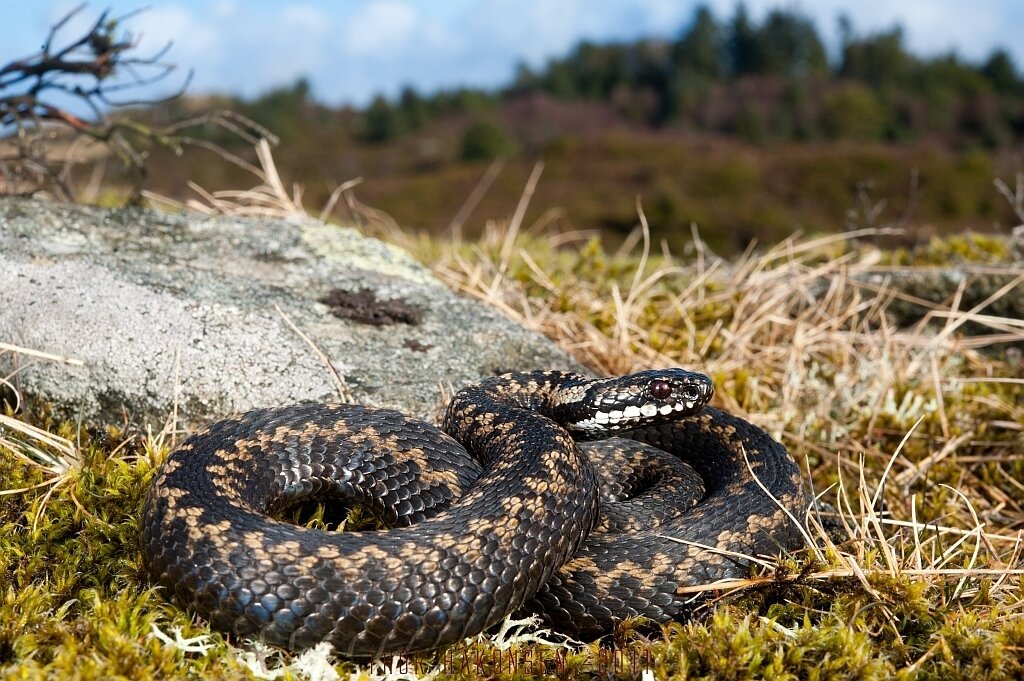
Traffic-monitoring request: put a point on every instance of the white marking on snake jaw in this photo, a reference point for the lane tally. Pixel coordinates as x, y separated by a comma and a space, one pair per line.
590, 426
604, 421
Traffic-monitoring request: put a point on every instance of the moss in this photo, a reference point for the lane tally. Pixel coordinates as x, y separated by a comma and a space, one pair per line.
733, 645
75, 603
968, 247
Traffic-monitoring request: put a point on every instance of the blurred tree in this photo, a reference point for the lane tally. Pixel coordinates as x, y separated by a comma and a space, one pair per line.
648, 65
382, 121
525, 79
412, 109
749, 124
741, 44
485, 141
787, 44
946, 85
472, 100
599, 69
1001, 73
559, 81
951, 72
879, 60
853, 112
776, 68
685, 97
793, 119
700, 50
284, 110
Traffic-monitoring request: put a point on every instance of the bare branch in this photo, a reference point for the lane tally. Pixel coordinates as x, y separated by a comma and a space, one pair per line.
89, 69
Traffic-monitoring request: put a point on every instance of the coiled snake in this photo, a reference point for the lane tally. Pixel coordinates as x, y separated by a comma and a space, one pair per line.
470, 541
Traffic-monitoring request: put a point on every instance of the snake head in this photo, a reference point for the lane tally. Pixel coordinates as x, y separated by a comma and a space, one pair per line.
608, 406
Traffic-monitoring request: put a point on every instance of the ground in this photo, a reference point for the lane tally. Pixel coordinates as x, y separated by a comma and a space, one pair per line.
914, 435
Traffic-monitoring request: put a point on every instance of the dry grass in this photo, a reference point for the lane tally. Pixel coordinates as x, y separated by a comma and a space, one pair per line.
915, 436
57, 456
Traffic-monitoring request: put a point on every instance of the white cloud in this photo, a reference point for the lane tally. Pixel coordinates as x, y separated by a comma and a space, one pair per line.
306, 18
380, 28
193, 38
224, 8
527, 31
664, 16
930, 28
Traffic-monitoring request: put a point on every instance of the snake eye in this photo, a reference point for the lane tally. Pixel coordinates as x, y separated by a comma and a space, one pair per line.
660, 389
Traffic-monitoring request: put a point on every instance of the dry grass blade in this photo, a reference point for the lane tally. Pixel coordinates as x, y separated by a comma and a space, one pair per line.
57, 456
745, 557
344, 392
52, 452
829, 575
7, 347
894, 558
782, 507
269, 198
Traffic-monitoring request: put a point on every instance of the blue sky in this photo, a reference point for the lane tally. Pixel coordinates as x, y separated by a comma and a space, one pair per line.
353, 49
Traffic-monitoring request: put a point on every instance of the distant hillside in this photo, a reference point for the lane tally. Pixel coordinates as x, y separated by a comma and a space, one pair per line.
759, 82
745, 129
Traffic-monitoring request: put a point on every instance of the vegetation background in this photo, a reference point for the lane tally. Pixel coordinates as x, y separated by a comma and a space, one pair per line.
745, 129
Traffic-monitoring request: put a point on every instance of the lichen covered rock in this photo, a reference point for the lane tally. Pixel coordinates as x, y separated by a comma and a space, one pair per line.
193, 311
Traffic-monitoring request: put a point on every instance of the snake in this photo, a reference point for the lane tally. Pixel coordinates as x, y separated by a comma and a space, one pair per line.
584, 501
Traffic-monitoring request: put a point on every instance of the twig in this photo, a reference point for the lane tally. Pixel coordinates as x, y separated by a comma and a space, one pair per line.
344, 392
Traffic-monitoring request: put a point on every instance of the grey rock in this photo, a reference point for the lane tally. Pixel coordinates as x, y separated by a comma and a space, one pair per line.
1017, 243
994, 288
190, 311
997, 289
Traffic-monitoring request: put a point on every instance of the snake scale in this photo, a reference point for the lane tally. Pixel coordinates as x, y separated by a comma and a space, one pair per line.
522, 522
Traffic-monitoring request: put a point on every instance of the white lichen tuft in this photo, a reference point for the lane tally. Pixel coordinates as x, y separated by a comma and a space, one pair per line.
199, 645
314, 664
514, 632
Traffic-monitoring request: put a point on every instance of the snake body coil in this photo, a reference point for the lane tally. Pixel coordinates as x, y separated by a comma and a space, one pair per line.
471, 540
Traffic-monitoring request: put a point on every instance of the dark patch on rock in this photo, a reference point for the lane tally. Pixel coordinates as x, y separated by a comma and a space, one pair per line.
364, 307
416, 346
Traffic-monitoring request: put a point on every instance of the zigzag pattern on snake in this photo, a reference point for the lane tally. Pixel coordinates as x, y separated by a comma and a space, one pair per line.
520, 522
